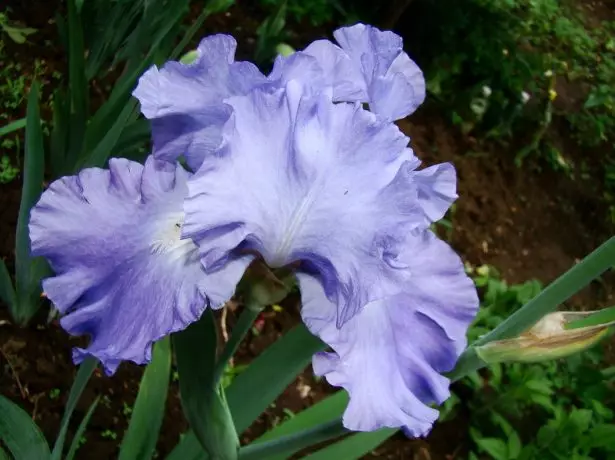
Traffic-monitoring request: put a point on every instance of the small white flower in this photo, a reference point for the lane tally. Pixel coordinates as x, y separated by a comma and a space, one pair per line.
549, 73
524, 97
486, 91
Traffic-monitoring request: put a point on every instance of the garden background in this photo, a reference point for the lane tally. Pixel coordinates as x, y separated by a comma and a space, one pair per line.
521, 98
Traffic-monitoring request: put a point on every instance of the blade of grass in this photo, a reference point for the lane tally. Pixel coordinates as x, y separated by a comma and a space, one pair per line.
80, 430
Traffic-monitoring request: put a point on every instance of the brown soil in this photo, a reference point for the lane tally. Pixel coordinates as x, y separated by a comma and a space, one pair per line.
529, 223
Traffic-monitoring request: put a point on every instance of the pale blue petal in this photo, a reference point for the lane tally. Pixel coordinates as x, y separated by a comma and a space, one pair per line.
300, 178
390, 356
123, 275
186, 101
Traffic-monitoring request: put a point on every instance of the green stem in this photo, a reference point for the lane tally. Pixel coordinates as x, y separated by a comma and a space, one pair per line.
246, 319
546, 301
288, 445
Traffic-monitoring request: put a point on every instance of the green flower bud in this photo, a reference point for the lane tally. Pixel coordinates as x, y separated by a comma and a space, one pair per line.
284, 49
189, 57
549, 338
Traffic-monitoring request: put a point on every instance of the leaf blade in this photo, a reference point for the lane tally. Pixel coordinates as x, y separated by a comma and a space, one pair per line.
13, 126
203, 403
80, 430
271, 372
7, 291
81, 380
142, 435
27, 286
353, 447
20, 434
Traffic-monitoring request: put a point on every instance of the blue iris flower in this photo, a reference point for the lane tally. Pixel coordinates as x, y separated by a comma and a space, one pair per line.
303, 167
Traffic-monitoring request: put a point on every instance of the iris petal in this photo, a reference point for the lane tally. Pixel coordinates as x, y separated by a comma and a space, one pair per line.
300, 178
186, 101
370, 66
123, 276
390, 356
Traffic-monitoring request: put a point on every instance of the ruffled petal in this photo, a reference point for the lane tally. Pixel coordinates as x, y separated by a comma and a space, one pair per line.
185, 101
437, 190
390, 356
123, 276
339, 71
371, 67
309, 180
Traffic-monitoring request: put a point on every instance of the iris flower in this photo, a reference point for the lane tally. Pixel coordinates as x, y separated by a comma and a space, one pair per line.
293, 170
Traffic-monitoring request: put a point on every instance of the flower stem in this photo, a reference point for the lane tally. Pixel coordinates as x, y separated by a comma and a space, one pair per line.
246, 319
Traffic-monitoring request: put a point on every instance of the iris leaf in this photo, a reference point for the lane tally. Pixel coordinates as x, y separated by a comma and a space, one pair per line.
142, 434
353, 447
270, 373
202, 399
7, 291
81, 380
560, 290
12, 127
20, 434
28, 273
80, 430
301, 430
78, 85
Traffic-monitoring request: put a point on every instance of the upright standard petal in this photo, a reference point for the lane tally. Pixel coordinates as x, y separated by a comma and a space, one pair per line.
124, 276
390, 356
300, 178
185, 101
371, 66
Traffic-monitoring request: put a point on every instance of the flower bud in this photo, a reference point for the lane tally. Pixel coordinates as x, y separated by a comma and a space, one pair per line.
189, 57
486, 91
524, 97
547, 339
284, 50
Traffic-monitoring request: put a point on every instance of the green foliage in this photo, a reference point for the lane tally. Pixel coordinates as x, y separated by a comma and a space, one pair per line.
16, 32
554, 410
146, 419
317, 12
8, 172
495, 65
15, 81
